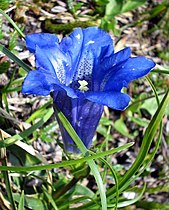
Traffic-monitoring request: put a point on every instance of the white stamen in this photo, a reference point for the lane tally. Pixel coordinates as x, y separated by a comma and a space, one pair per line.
83, 85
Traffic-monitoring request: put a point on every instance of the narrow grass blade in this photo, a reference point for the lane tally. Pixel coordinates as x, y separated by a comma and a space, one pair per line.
147, 140
14, 58
6, 176
114, 176
116, 182
50, 199
27, 132
85, 152
154, 89
21, 202
12, 23
160, 71
64, 163
129, 202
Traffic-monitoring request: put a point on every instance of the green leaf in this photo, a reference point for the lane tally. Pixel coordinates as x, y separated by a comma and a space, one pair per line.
4, 66
13, 41
121, 127
151, 106
132, 4
113, 8
82, 190
21, 156
14, 58
27, 132
1, 35
146, 143
85, 152
65, 163
116, 7
4, 4
30, 201
140, 121
50, 198
21, 202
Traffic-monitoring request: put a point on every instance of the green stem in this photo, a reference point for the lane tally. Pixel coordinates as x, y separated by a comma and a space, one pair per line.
151, 205
85, 152
63, 163
8, 186
154, 90
6, 176
14, 58
160, 71
147, 140
150, 132
12, 23
66, 188
142, 100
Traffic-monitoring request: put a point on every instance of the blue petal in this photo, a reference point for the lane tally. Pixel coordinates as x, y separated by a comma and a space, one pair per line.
54, 61
41, 40
126, 72
98, 39
114, 100
85, 47
116, 59
107, 67
40, 82
83, 116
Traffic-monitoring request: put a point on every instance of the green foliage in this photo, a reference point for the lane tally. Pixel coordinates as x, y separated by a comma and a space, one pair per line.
12, 41
31, 202
4, 4
34, 179
112, 8
164, 54
4, 66
1, 33
21, 202
120, 126
116, 7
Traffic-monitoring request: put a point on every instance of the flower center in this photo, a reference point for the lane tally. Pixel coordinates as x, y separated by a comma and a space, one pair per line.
83, 85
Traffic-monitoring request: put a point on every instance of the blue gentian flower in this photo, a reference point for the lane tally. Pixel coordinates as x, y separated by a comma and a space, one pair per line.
84, 74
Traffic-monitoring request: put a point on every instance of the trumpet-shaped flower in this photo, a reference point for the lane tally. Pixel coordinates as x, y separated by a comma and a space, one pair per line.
84, 74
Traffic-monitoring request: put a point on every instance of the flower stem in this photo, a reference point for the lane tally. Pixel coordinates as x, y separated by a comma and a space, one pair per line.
85, 152
6, 175
12, 23
66, 188
14, 58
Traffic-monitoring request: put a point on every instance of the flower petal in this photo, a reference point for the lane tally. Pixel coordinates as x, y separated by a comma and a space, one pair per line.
40, 82
114, 100
107, 67
54, 61
84, 47
128, 71
40, 39
83, 115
